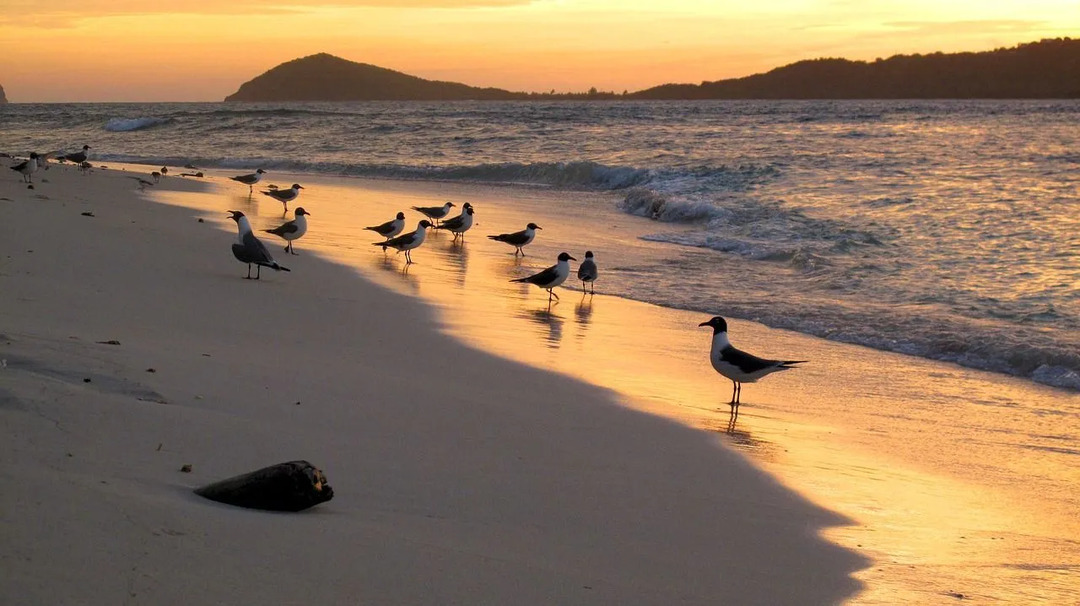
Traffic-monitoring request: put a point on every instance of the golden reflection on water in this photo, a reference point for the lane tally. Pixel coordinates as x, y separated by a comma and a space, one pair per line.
952, 475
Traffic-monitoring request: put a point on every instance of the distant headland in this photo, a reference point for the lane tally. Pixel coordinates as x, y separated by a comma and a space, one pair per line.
1048, 69
3, 99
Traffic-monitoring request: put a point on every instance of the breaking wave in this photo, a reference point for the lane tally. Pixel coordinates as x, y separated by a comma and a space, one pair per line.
123, 125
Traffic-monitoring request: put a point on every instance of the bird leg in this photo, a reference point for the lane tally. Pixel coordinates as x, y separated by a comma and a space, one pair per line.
552, 293
258, 271
734, 390
248, 277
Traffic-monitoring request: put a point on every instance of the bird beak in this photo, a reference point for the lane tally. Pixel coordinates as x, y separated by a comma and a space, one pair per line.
704, 324
573, 259
538, 227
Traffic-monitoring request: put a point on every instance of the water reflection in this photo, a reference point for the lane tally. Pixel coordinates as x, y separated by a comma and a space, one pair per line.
550, 323
583, 315
458, 256
390, 265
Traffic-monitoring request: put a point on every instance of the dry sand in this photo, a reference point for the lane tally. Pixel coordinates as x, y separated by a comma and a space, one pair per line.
459, 477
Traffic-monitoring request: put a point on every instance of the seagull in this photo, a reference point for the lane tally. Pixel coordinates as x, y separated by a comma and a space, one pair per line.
292, 230
164, 171
459, 224
248, 249
284, 195
586, 272
738, 365
77, 157
156, 176
434, 212
251, 179
407, 242
552, 276
27, 167
518, 239
390, 228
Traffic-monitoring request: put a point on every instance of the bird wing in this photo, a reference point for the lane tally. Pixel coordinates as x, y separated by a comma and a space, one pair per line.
454, 223
428, 210
281, 230
544, 277
748, 362
245, 179
382, 228
257, 250
21, 166
587, 270
515, 238
402, 240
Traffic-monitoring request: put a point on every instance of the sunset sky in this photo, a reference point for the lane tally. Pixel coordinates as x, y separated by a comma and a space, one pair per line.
196, 50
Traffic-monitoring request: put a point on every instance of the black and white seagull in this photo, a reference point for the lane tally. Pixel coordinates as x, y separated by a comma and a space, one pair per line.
292, 230
407, 242
27, 167
518, 239
390, 228
78, 157
587, 273
737, 365
250, 179
249, 249
435, 213
284, 195
459, 224
552, 276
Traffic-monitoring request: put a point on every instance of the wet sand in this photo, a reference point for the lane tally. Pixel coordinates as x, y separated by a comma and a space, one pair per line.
959, 482
459, 476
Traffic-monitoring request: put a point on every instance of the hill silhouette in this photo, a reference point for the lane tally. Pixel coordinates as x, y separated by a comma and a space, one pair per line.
1048, 69
324, 77
3, 99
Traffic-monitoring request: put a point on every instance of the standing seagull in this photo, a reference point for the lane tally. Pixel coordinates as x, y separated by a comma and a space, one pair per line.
250, 180
407, 242
77, 157
738, 365
27, 167
552, 276
284, 195
390, 228
586, 272
459, 224
292, 230
518, 239
248, 249
434, 212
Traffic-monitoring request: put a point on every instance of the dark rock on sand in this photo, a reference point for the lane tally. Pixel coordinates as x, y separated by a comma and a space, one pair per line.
292, 486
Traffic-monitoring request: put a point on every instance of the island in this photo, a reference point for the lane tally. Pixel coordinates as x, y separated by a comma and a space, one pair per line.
1047, 69
3, 99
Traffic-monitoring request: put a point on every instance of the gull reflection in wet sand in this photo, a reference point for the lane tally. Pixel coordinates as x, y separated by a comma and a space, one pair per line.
458, 256
583, 314
547, 319
390, 265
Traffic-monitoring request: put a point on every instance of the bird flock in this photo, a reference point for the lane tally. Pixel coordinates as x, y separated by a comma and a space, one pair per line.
734, 364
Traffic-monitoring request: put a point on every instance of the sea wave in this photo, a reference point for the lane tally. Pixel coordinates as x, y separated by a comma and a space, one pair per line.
121, 125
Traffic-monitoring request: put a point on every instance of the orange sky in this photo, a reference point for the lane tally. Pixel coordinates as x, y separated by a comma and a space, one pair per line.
195, 50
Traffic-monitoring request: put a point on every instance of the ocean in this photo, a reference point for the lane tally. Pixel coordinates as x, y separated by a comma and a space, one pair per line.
941, 229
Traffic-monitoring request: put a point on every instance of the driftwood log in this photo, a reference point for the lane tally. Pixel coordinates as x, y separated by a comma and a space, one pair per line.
292, 486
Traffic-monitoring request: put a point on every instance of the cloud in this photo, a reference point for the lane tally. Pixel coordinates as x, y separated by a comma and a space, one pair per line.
968, 27
65, 13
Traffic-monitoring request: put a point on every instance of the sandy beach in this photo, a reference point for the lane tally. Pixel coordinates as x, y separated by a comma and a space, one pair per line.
459, 476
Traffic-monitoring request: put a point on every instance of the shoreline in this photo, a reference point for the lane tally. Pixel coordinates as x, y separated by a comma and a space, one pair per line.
494, 482
856, 443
